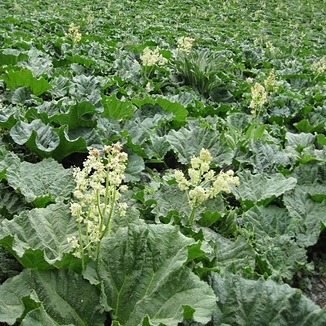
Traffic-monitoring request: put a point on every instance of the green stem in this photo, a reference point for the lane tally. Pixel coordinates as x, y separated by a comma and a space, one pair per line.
81, 245
110, 217
192, 216
86, 231
101, 216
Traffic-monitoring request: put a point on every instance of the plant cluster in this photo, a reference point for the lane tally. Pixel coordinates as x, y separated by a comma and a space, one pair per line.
203, 183
97, 198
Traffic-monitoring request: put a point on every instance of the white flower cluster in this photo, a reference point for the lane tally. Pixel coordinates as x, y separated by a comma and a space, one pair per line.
319, 66
151, 58
73, 33
96, 196
270, 47
184, 44
203, 183
258, 96
271, 85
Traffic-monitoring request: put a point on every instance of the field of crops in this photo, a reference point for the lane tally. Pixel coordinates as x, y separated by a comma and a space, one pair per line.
162, 162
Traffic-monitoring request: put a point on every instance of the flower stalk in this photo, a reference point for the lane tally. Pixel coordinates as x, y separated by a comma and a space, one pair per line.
97, 198
150, 59
203, 183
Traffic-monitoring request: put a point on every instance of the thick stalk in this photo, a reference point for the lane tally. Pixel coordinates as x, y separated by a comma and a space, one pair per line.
81, 245
192, 216
110, 217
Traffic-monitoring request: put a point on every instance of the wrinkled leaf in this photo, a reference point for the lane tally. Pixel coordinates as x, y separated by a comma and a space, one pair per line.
38, 238
79, 115
310, 215
149, 278
233, 256
57, 297
41, 182
24, 77
35, 134
176, 108
187, 142
134, 168
7, 159
256, 303
116, 109
262, 187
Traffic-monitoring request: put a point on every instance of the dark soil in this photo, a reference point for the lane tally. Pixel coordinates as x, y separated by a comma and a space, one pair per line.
313, 283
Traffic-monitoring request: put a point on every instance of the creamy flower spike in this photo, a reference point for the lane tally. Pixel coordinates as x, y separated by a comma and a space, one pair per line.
152, 57
96, 196
319, 66
184, 44
73, 33
203, 183
271, 85
258, 96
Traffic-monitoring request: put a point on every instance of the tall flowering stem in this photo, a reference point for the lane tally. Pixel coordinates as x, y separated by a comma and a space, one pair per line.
203, 183
184, 44
258, 99
97, 198
73, 33
150, 59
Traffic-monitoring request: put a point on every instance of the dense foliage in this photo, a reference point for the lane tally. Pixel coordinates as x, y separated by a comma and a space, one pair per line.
219, 110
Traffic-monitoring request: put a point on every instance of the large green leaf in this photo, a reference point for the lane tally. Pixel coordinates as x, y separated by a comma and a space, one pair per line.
170, 200
35, 134
134, 168
38, 238
262, 188
116, 109
47, 141
176, 108
24, 77
57, 297
141, 273
299, 141
310, 215
9, 266
12, 58
233, 256
144, 128
269, 221
256, 303
69, 144
41, 182
8, 117
7, 159
11, 202
279, 255
79, 115
267, 157
188, 141
311, 178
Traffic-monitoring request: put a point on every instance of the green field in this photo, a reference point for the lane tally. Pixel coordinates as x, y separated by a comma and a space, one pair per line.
162, 163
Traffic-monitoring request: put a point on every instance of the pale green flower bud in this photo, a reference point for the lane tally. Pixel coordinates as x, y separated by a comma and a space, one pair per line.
205, 155
258, 96
185, 43
123, 188
195, 162
194, 176
209, 175
182, 182
75, 209
197, 196
152, 57
204, 167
